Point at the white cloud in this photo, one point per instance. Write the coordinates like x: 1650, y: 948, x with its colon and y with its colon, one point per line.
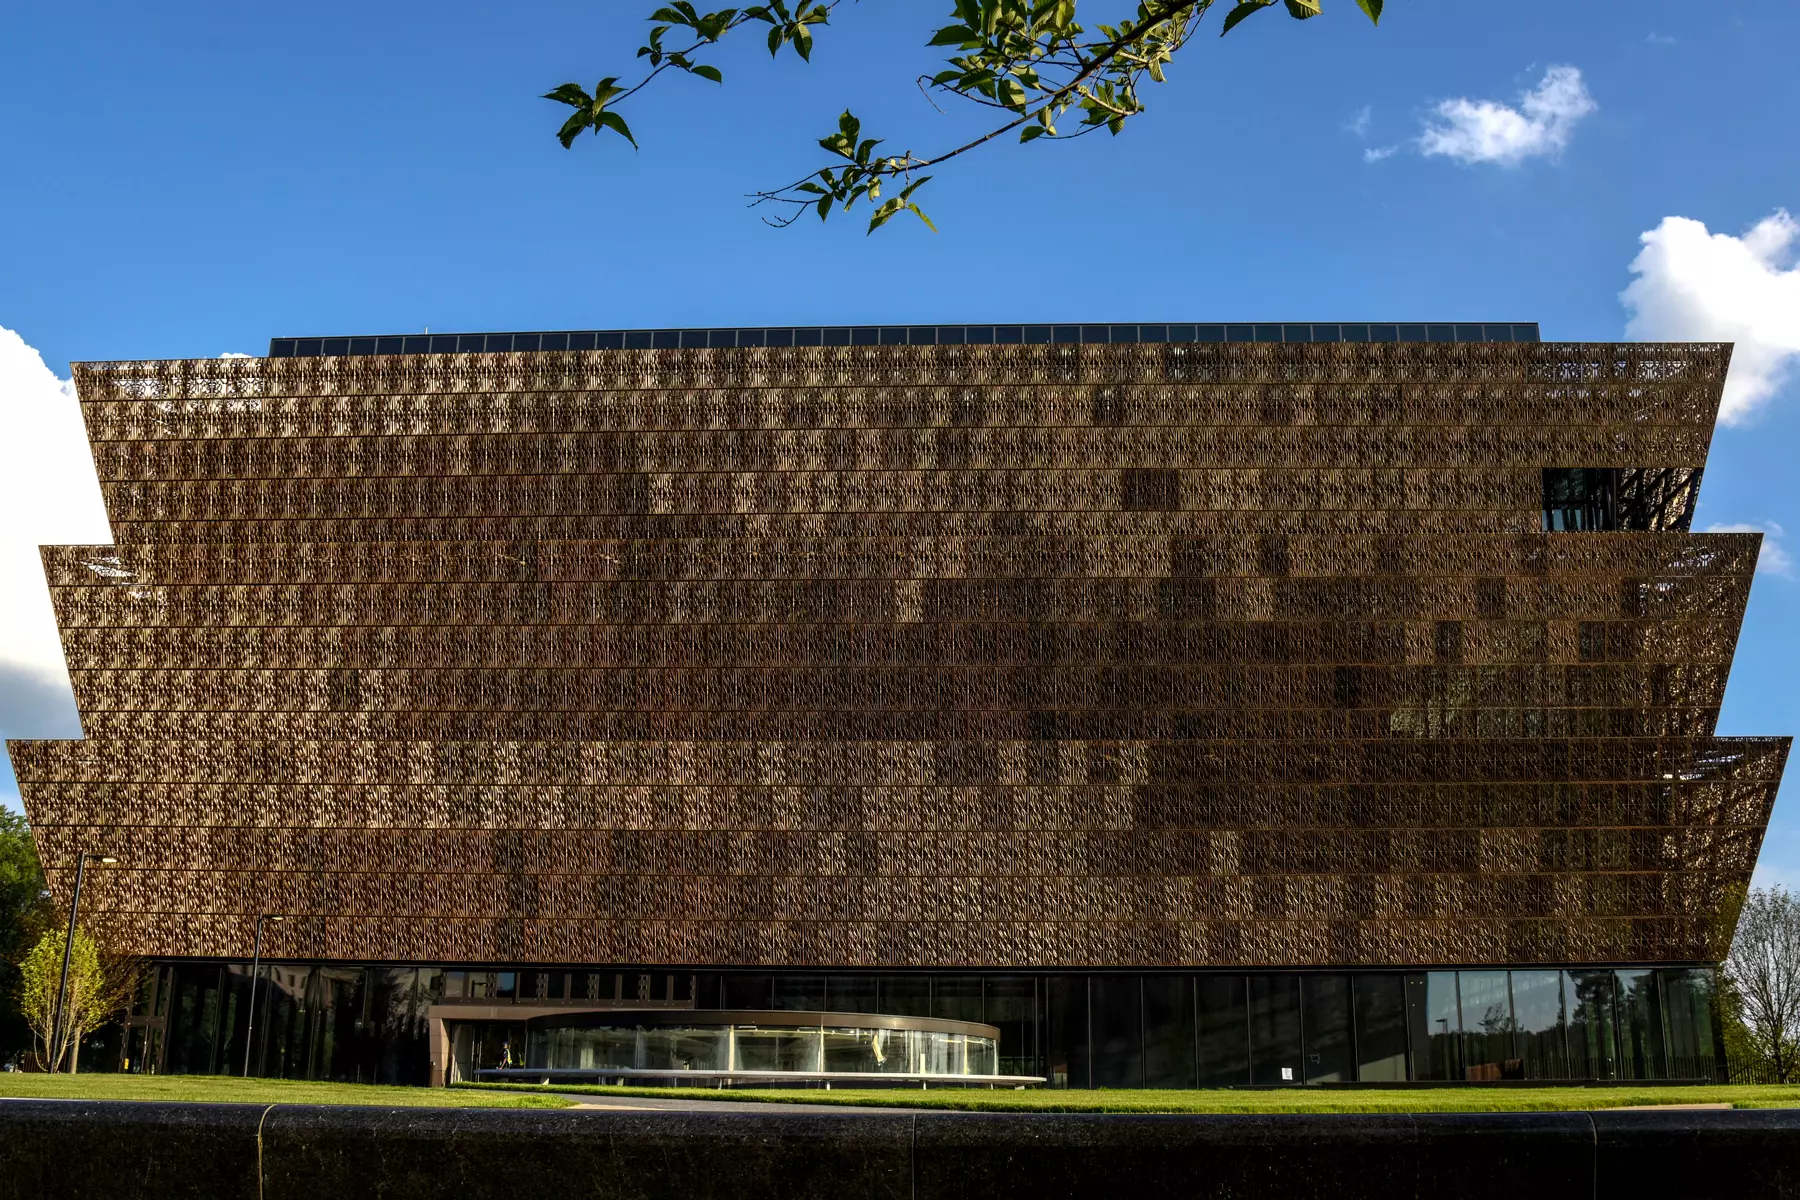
x: 1773, y: 559
x: 1375, y: 154
x: 235, y: 354
x: 1359, y: 124
x: 48, y: 496
x: 1486, y: 131
x: 1661, y: 39
x: 1693, y: 285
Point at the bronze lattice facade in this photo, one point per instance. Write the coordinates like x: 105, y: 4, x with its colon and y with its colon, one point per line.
x: 950, y: 656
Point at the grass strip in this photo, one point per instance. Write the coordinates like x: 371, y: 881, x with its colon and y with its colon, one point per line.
x: 227, y: 1089
x: 1223, y: 1100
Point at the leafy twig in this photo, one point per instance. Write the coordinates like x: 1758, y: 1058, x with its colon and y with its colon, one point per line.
x: 1029, y: 59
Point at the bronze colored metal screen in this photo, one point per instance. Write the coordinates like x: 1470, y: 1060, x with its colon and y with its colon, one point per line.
x: 984, y: 656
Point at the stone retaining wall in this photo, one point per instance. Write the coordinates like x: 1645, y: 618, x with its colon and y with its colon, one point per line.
x: 127, y: 1151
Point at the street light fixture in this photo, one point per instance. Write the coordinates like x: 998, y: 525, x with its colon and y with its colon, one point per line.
x: 62, y: 988
x: 255, y: 973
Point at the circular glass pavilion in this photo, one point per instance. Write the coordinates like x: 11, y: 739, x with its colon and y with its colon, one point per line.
x: 719, y: 1044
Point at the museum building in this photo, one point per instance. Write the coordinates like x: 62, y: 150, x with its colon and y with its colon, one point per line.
x: 1116, y: 705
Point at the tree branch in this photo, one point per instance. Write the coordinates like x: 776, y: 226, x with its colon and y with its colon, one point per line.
x: 1003, y: 50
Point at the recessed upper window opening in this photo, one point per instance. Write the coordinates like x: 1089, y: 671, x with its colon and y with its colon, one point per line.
x: 1598, y: 499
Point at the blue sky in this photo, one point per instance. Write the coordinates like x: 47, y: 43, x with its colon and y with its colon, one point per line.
x: 192, y: 179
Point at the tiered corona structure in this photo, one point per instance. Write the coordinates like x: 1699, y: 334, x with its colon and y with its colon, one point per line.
x: 1088, y: 653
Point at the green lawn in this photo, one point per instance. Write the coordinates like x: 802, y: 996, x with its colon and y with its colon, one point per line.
x: 226, y: 1089
x: 1320, y: 1100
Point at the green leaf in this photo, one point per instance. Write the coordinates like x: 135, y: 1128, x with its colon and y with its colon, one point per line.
x: 616, y: 123
x: 1300, y: 10
x: 897, y: 205
x: 713, y: 26
x: 955, y: 35
x: 885, y: 213
x: 654, y: 50
x: 1372, y: 8
x: 803, y: 42
x: 1243, y: 9
x: 570, y: 93
x: 706, y: 72
x: 572, y: 128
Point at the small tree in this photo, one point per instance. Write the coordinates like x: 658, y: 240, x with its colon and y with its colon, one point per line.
x: 25, y: 912
x: 1763, y: 973
x: 100, y: 986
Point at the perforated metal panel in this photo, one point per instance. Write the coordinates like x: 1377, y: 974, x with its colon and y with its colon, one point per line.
x: 928, y: 655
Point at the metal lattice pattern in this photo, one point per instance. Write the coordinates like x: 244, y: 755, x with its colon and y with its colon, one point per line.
x: 1008, y: 656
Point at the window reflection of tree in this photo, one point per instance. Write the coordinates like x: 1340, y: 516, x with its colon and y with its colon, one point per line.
x: 1640, y: 1026
x: 1590, y: 1024
x: 1541, y: 1024
x: 1488, y: 1026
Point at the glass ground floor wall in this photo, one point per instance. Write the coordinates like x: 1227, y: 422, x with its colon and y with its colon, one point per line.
x: 312, y: 1021
x: 1093, y: 1029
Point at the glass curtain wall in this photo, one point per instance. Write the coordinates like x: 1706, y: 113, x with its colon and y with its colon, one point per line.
x: 1487, y: 1042
x: 1170, y: 1049
x: 1327, y: 1020
x: 1687, y: 1016
x: 1275, y: 1052
x: 1010, y: 1004
x: 1066, y: 1061
x: 1165, y: 1030
x: 1380, y: 1007
x: 1434, y: 1025
x: 1593, y: 1050
x: 349, y: 1024
x: 1223, y: 1028
x: 1540, y: 1024
x: 1642, y: 1049
x: 1116, y: 1007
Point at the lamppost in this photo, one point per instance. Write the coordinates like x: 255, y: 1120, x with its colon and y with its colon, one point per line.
x: 62, y: 988
x: 255, y: 972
